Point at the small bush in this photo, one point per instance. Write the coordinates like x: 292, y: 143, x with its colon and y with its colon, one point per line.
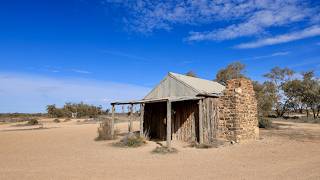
x: 272, y: 116
x: 32, y: 122
x: 164, y: 150
x: 104, y: 131
x: 212, y: 144
x: 56, y: 121
x: 67, y: 120
x: 265, y: 123
x: 131, y: 140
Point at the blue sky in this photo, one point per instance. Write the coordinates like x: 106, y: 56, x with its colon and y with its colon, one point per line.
x: 53, y: 52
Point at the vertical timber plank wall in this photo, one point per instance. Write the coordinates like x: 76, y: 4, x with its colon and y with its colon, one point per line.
x: 210, y: 119
x: 185, y: 121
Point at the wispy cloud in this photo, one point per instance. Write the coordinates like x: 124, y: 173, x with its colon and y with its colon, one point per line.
x: 314, y: 62
x: 126, y: 55
x: 39, y: 91
x: 52, y: 69
x: 281, y: 53
x: 249, y: 18
x: 284, y: 38
x: 318, y: 43
x: 81, y: 71
x: 255, y: 24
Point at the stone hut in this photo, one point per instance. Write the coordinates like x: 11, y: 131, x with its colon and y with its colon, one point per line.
x: 192, y: 109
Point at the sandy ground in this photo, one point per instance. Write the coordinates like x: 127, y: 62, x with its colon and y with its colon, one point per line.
x: 68, y: 151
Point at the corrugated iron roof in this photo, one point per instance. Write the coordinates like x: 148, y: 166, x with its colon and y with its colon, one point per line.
x: 202, y: 86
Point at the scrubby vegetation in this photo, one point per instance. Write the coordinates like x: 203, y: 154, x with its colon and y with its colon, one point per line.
x: 265, y: 123
x: 212, y: 144
x: 32, y: 122
x: 164, y: 150
x: 67, y: 120
x: 131, y: 140
x: 19, y: 117
x: 78, y: 110
x: 104, y: 131
x: 56, y: 121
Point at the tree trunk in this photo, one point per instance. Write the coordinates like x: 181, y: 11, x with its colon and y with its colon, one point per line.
x: 301, y: 110
x: 314, y: 113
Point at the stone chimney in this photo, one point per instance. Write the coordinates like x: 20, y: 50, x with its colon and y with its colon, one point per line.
x: 238, y: 111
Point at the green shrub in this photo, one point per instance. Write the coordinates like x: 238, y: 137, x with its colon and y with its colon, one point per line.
x: 32, y: 122
x: 265, y: 123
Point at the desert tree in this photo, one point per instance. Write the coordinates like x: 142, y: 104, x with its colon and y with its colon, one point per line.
x: 265, y: 95
x: 311, y: 93
x: 232, y: 71
x: 294, y: 90
x: 191, y: 74
x: 278, y: 77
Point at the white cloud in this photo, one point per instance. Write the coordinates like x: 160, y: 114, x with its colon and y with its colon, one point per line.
x: 255, y: 24
x: 31, y: 93
x: 281, y: 53
x: 224, y: 20
x: 126, y: 55
x: 80, y: 71
x: 284, y: 38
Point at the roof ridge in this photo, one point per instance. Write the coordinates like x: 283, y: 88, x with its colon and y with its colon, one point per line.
x: 183, y: 82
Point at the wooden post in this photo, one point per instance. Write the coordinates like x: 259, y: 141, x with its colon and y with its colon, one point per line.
x: 141, y: 119
x: 208, y: 110
x: 200, y: 122
x: 130, y: 119
x: 112, y: 121
x: 193, y: 130
x: 169, y: 124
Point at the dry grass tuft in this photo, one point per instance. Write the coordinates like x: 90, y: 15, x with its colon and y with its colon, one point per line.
x: 56, y: 121
x: 67, y: 120
x: 32, y: 122
x: 265, y: 123
x: 215, y: 143
x: 164, y: 150
x: 131, y: 140
x: 104, y: 131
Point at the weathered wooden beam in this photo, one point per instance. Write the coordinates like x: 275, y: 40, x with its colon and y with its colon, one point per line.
x: 112, y: 121
x: 200, y: 121
x: 131, y: 119
x: 141, y: 119
x: 209, y: 112
x: 169, y: 124
x: 193, y: 130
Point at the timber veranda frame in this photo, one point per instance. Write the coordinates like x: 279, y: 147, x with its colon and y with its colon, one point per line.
x: 169, y: 102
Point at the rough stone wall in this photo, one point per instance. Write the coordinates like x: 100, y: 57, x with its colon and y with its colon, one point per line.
x: 238, y: 120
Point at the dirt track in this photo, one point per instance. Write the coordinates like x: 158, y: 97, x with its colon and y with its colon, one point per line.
x: 68, y: 151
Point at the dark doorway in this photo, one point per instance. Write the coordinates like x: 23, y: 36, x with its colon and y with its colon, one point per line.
x: 155, y: 116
